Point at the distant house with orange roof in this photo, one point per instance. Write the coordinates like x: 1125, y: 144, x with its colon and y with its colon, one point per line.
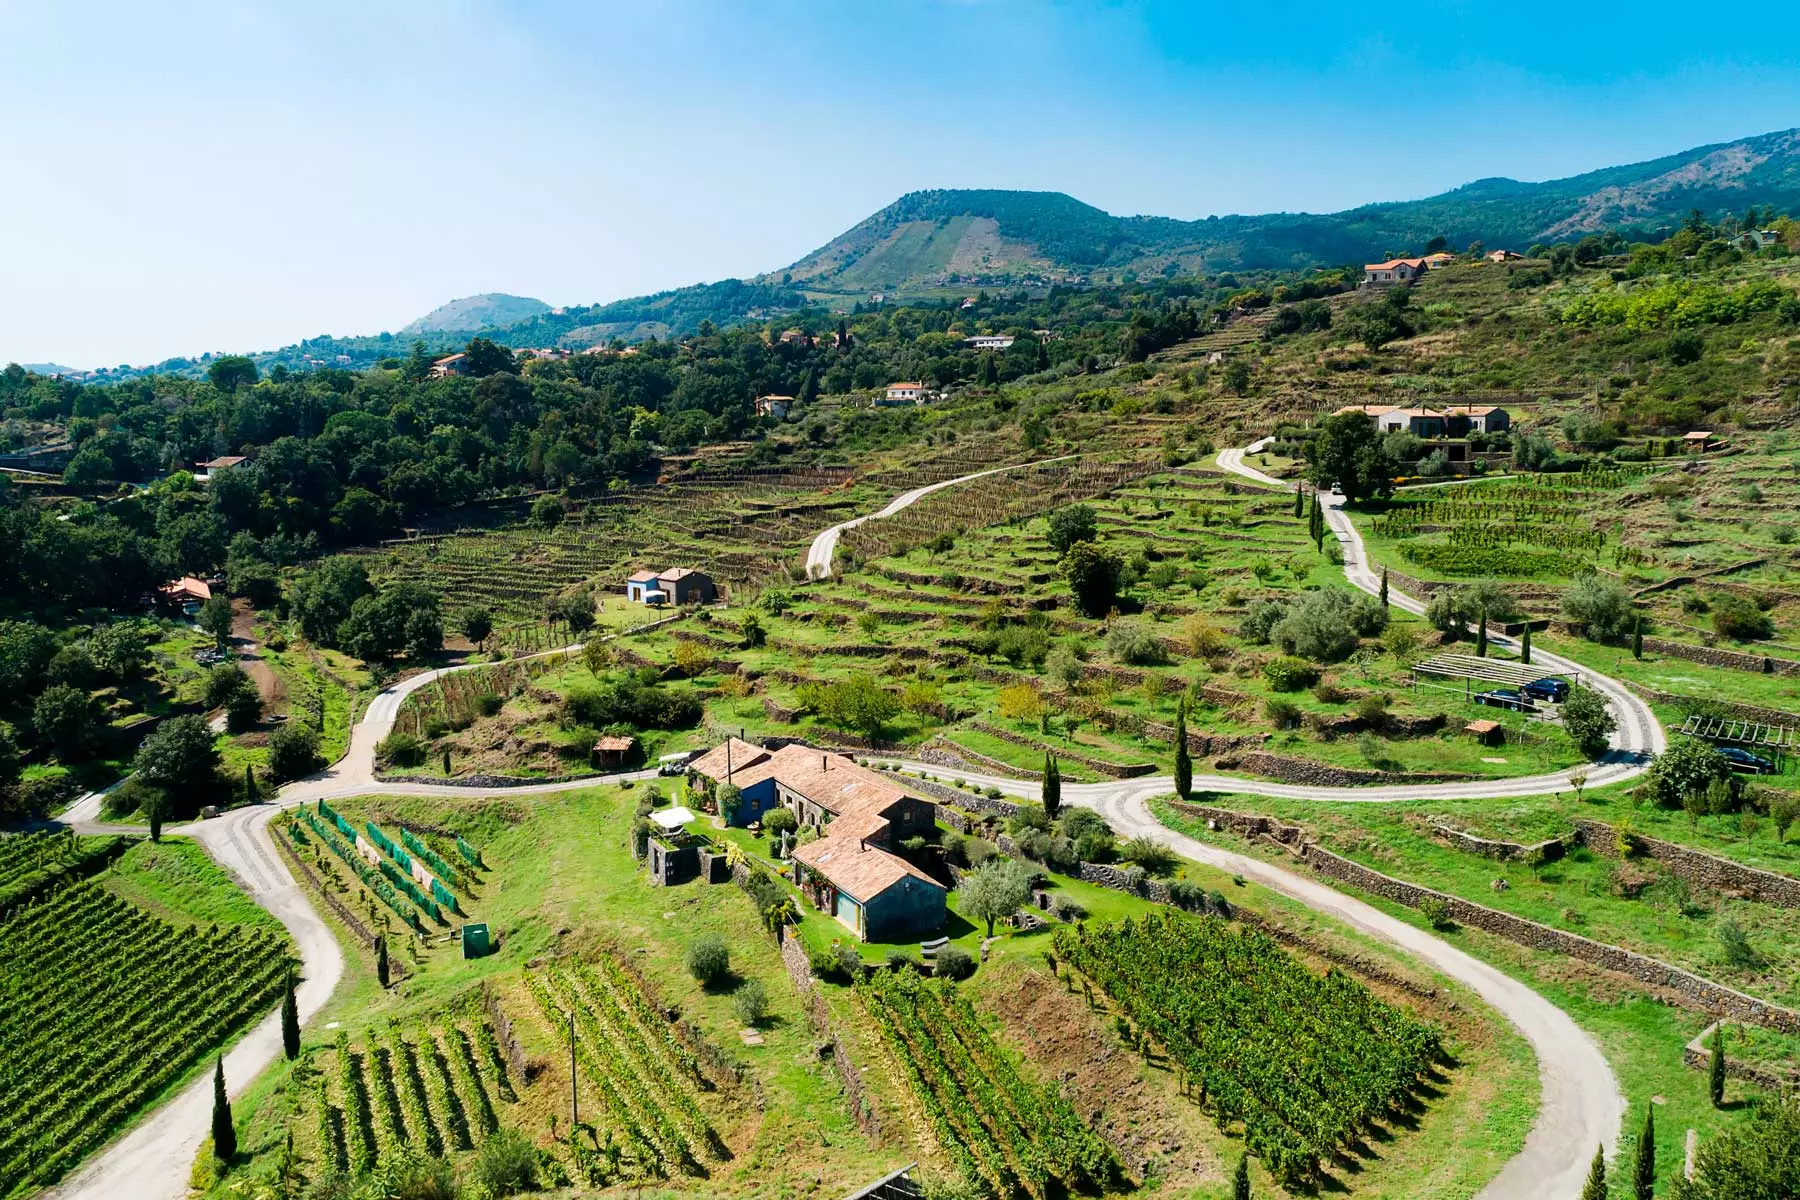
x: 186, y: 593
x: 774, y: 406
x: 1394, y: 270
x: 451, y: 365
x: 905, y: 393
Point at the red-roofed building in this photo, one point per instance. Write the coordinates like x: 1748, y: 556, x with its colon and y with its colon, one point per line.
x: 1394, y: 270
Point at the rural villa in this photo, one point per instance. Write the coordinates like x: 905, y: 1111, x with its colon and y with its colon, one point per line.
x: 905, y: 393
x: 1456, y: 420
x: 859, y: 814
x: 677, y: 585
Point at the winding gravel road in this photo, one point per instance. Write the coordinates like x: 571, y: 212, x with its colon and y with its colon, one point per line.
x: 1579, y: 1106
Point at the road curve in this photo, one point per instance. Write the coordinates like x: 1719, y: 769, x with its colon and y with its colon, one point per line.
x: 824, y: 547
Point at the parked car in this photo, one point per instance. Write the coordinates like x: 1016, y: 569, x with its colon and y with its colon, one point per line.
x: 1743, y: 760
x: 676, y: 764
x: 1508, y: 698
x: 1548, y: 688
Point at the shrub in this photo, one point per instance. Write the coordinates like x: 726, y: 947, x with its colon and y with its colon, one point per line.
x: 1094, y: 577
x: 1688, y: 766
x: 1283, y: 714
x: 1734, y: 945
x: 1372, y: 711
x: 506, y: 1164
x: 708, y: 959
x: 488, y: 704
x: 1260, y: 620
x: 1130, y: 642
x: 294, y: 750
x: 1203, y: 639
x: 1066, y: 908
x: 824, y: 962
x: 1154, y: 857
x: 1601, y: 608
x: 750, y: 1001
x: 779, y: 821
x: 1587, y: 720
x: 1319, y: 625
x: 1289, y: 674
x: 1740, y: 619
x: 1069, y: 525
x: 850, y: 963
x: 1437, y: 912
x: 953, y: 962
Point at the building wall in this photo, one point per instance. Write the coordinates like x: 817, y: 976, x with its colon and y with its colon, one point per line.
x: 759, y: 798
x: 909, y: 909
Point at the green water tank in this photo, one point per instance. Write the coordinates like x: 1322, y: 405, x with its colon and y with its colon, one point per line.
x: 476, y: 941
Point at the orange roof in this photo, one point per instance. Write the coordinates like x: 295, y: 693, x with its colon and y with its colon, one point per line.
x: 187, y: 585
x: 892, y: 386
x: 834, y: 783
x: 1391, y: 263
x: 675, y: 573
x: 742, y: 756
x: 1371, y: 410
x: 1481, y: 726
x: 640, y: 576
x: 860, y: 870
x: 1699, y: 435
x: 229, y: 460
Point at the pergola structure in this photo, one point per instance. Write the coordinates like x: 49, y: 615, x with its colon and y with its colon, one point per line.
x: 1472, y: 669
x: 1732, y: 732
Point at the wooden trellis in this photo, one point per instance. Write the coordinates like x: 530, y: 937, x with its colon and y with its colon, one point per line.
x: 1734, y: 732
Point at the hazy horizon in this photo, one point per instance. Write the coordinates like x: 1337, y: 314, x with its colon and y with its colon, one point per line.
x: 241, y: 176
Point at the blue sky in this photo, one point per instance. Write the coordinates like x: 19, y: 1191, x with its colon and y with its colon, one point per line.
x: 235, y: 176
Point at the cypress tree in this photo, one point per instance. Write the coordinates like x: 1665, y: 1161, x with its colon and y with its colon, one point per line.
x: 1525, y: 645
x: 1299, y: 502
x: 381, y: 961
x: 989, y: 376
x: 1643, y: 1167
x: 1481, y: 637
x: 1184, y: 761
x: 1052, y: 786
x: 1637, y: 636
x: 1384, y: 588
x: 1715, y: 1080
x: 223, y: 1132
x: 1043, y: 356
x: 446, y: 760
x: 809, y: 387
x: 156, y: 811
x: 290, y: 1021
x: 1595, y: 1188
x: 249, y: 784
x: 1240, y: 1179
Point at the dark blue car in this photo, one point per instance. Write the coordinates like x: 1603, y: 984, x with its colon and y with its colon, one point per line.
x: 1548, y: 688
x: 1509, y: 698
x: 1743, y: 760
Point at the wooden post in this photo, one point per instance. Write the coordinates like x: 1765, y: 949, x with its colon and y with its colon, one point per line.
x: 574, y: 1098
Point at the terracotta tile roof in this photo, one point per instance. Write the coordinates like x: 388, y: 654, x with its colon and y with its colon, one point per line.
x: 217, y: 464
x: 1481, y: 727
x: 1372, y: 410
x: 640, y: 577
x: 615, y: 744
x: 834, y: 782
x: 859, y: 870
x: 893, y: 386
x: 676, y: 573
x: 1391, y: 263
x: 743, y: 756
x: 187, y: 585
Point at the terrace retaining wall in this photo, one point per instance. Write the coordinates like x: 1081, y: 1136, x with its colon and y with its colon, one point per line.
x: 1468, y: 843
x: 1713, y: 656
x: 818, y: 1019
x: 975, y: 760
x: 1697, y: 1057
x: 1303, y: 771
x: 1743, y: 712
x: 1108, y: 769
x: 1695, y: 866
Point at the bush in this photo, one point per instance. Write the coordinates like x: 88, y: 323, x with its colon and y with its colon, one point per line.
x: 1289, y: 674
x: 824, y: 963
x: 1437, y: 912
x: 1601, y: 608
x: 1203, y: 639
x: 1587, y: 720
x: 750, y: 1001
x: 506, y: 1164
x: 1130, y: 642
x: 953, y: 962
x: 1317, y: 626
x: 488, y: 704
x: 1687, y: 767
x: 1740, y: 619
x: 1372, y: 711
x: 1283, y: 714
x: 850, y: 963
x: 1154, y: 857
x: 708, y: 959
x: 294, y: 750
x: 1260, y: 621
x: 779, y: 821
x: 400, y: 749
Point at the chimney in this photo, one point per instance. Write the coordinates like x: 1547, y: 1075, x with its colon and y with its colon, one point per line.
x: 824, y: 762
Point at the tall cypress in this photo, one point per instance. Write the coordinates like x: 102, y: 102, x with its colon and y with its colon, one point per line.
x: 1240, y: 1179
x: 381, y: 961
x: 1481, y: 637
x: 1184, y: 761
x: 1715, y: 1080
x: 223, y: 1132
x: 156, y: 814
x: 1643, y: 1167
x: 290, y: 1021
x: 1595, y: 1188
x: 1299, y: 502
x: 1637, y: 636
x: 1384, y: 588
x: 249, y: 784
x: 1525, y: 645
x: 1052, y: 786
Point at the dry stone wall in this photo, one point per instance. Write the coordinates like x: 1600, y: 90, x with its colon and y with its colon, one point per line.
x: 1551, y: 849
x: 1303, y: 771
x: 1705, y: 870
x: 1110, y: 770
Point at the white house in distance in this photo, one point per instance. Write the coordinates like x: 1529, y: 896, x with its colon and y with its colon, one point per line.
x: 1394, y: 270
x: 774, y: 406
x: 988, y: 342
x: 454, y: 364
x: 1457, y: 420
x: 1500, y: 256
x: 905, y: 393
